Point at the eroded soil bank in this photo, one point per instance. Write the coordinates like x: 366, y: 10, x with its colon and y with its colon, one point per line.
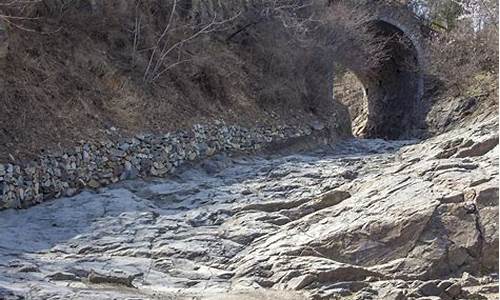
x: 368, y: 219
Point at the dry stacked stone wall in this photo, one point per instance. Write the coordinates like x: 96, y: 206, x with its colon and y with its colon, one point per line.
x: 97, y: 164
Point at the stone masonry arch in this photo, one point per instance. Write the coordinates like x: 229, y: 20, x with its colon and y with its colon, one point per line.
x: 394, y: 91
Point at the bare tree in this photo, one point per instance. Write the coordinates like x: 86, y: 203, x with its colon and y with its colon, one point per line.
x: 168, y: 49
x: 137, y: 32
x: 12, y: 13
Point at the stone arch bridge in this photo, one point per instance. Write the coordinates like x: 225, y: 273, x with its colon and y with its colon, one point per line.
x: 395, y: 89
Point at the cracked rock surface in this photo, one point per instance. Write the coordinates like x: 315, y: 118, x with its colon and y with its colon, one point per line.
x: 364, y: 219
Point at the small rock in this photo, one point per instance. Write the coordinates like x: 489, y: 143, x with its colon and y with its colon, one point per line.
x: 124, y: 146
x: 468, y: 280
x: 473, y: 296
x: 317, y: 125
x: 353, y: 286
x: 62, y: 276
x: 443, y: 285
x: 335, y: 293
x: 332, y: 198
x: 86, y: 156
x: 393, y: 294
x: 113, y: 277
x: 446, y: 153
x: 489, y: 289
x: 430, y: 288
x: 191, y: 156
x: 300, y: 282
x: 479, y: 148
x: 28, y: 268
x: 454, y: 290
x: 364, y: 296
x: 93, y: 184
x: 246, y: 192
x: 70, y: 192
x: 349, y: 175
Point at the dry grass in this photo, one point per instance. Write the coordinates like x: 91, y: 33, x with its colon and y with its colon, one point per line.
x: 75, y: 70
x: 460, y: 55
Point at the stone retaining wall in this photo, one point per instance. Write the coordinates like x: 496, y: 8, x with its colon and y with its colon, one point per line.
x: 94, y: 165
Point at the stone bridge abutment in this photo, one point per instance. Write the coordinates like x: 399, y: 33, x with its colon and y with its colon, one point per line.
x: 394, y: 89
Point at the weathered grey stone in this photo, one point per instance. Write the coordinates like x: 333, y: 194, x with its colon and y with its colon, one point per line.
x: 303, y: 226
x: 94, y: 184
x: 301, y: 282
x: 108, y: 162
x: 62, y: 276
x: 480, y: 148
x: 454, y: 290
x: 393, y: 294
x: 468, y: 280
x: 113, y: 277
x: 443, y: 285
x: 430, y: 288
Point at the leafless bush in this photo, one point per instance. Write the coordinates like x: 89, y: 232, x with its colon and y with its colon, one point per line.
x: 464, y: 41
x: 297, y: 44
x: 18, y: 13
x: 462, y: 54
x: 168, y: 49
x: 340, y: 28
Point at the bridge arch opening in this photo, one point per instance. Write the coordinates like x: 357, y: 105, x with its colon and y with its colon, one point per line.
x: 389, y: 92
x: 350, y: 91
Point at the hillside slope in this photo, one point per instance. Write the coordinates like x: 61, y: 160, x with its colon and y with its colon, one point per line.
x: 79, y: 72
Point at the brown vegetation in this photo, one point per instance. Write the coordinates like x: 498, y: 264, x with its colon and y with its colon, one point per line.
x: 463, y: 85
x: 90, y: 69
x: 462, y: 54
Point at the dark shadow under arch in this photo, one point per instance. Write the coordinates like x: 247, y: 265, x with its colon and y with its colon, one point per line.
x: 392, y: 88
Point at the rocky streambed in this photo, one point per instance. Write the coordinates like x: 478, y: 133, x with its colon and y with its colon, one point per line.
x: 363, y: 219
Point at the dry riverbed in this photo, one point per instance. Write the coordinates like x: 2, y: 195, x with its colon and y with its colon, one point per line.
x: 364, y: 219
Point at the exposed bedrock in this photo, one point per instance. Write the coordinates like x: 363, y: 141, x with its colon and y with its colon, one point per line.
x: 368, y: 219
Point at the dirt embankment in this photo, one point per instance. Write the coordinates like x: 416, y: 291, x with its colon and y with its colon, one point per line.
x: 79, y: 72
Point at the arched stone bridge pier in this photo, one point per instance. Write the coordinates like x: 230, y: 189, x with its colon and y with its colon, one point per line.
x: 395, y: 89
